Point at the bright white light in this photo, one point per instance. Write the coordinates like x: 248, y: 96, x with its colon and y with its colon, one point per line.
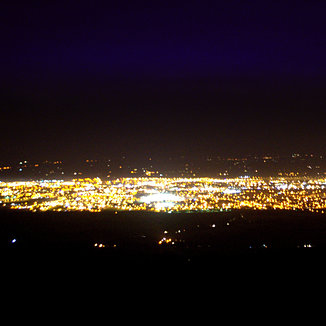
x: 160, y: 197
x: 163, y: 206
x: 282, y: 186
x: 231, y: 191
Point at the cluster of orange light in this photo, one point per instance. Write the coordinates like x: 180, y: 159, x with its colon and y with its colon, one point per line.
x: 166, y: 194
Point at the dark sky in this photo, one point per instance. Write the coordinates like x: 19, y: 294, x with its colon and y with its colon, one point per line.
x: 89, y: 79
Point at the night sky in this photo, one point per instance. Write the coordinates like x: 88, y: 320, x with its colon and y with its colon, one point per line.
x: 88, y: 79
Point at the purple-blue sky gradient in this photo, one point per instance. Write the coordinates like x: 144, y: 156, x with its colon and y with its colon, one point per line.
x: 143, y: 76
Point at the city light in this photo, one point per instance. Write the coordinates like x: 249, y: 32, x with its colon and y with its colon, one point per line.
x: 160, y: 197
x: 166, y: 194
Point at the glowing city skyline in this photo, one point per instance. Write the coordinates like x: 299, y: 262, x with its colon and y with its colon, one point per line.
x: 166, y: 194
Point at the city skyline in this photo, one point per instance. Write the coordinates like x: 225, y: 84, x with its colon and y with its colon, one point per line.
x: 167, y: 194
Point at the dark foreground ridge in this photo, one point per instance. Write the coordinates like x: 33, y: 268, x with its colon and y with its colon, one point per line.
x: 243, y: 238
